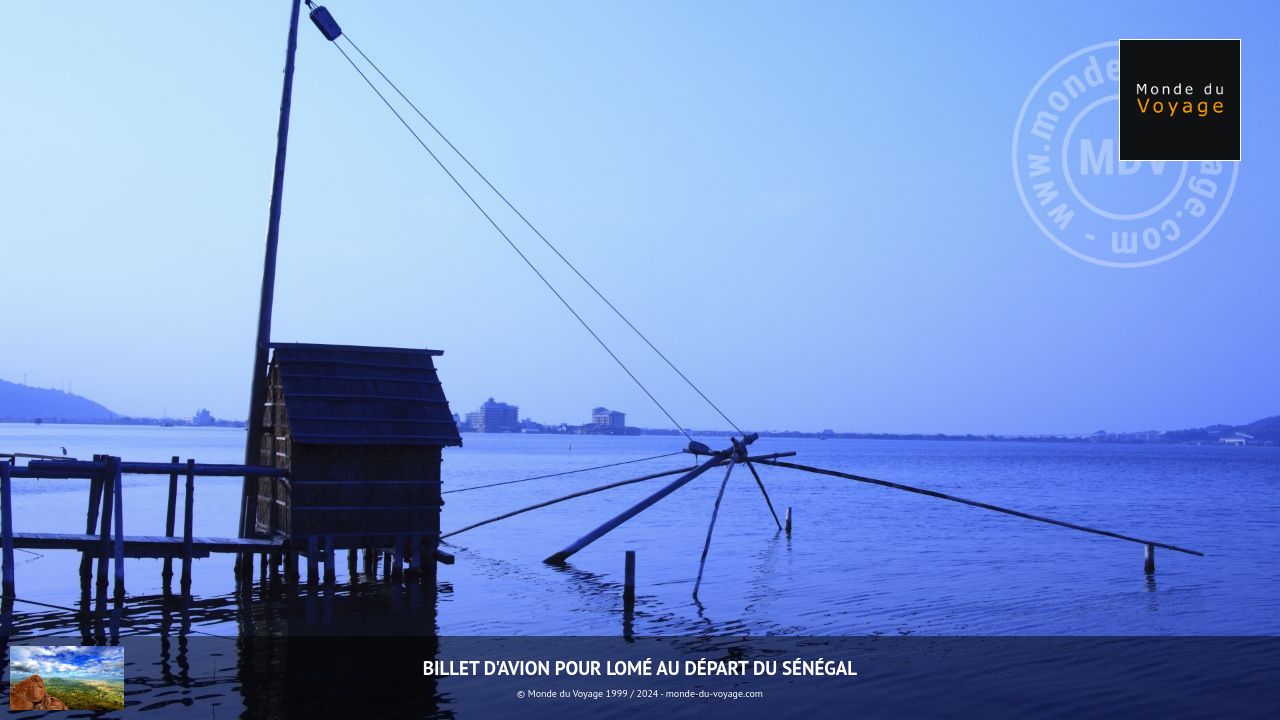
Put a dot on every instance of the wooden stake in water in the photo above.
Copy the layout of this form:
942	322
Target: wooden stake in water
629	583
313	574
6	527
714	512
104	535
330	559
1149	559
170	518
788	521
188	523
117	483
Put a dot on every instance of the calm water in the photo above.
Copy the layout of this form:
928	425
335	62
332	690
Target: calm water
862	560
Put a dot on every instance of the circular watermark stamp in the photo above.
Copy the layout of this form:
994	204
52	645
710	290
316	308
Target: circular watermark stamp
1073	184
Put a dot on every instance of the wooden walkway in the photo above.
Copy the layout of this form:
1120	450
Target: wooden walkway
146	546
104	539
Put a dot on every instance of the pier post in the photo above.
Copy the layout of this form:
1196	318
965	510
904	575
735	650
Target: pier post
117	484
386	565
104	527
291	565
370	561
1149	560
188	522
91	520
788	521
313	574
351	564
330	560
415	557
6	527
629	583
171	518
397	559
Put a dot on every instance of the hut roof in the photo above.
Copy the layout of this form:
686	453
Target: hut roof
355	395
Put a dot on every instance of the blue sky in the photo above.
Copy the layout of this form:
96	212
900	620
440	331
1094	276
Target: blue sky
808	206
67	661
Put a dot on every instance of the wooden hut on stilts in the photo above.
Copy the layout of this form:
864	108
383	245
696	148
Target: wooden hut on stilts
360	431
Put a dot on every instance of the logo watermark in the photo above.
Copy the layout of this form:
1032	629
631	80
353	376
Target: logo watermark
1071	180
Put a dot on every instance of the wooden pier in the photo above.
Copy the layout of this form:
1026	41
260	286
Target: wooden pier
104	538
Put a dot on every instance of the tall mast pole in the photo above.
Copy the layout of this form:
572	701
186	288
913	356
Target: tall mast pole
261	348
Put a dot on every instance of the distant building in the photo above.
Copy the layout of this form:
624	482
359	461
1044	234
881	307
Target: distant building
494	417
607	422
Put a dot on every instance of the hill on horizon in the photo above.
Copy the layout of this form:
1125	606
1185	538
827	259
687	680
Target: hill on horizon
22	403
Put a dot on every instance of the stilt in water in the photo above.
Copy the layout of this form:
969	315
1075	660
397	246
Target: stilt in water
6	497
313	573
397	559
629	595
629	583
330	560
117	482
788	522
1149	560
170	521
188	520
104	542
91	520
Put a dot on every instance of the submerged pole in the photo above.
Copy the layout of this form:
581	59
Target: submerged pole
629	583
1149	559
262	345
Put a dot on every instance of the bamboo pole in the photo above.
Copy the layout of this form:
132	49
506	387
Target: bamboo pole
261	347
715	511
975	503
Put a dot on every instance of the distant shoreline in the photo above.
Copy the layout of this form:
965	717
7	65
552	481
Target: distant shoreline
1213	435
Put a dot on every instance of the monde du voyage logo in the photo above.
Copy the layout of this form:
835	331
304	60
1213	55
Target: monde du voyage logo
1128	164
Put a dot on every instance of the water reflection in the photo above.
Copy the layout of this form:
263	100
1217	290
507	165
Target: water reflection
270	649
